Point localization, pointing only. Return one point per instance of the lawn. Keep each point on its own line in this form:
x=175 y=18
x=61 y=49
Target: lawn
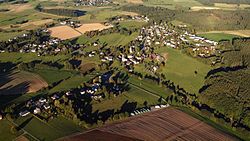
x=70 y=83
x=218 y=36
x=180 y=69
x=54 y=129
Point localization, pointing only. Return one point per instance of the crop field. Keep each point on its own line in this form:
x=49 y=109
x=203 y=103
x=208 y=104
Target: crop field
x=135 y=1
x=180 y=69
x=90 y=27
x=64 y=32
x=20 y=83
x=218 y=36
x=164 y=124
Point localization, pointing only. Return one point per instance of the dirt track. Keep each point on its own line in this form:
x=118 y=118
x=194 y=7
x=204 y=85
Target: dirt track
x=162 y=125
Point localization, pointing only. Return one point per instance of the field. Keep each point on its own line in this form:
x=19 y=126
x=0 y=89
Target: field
x=5 y=131
x=20 y=83
x=112 y=39
x=180 y=69
x=90 y=27
x=51 y=76
x=17 y=57
x=243 y=33
x=72 y=82
x=64 y=32
x=135 y=1
x=56 y=128
x=218 y=36
x=172 y=4
x=164 y=124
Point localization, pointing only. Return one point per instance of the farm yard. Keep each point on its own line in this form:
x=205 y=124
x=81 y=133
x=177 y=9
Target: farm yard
x=164 y=124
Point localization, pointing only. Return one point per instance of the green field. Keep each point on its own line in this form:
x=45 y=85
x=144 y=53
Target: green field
x=172 y=4
x=139 y=92
x=51 y=76
x=54 y=129
x=180 y=69
x=16 y=57
x=132 y=24
x=70 y=83
x=5 y=131
x=113 y=39
x=218 y=36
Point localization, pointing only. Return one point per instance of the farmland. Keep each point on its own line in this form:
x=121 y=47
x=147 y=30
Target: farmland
x=168 y=123
x=218 y=36
x=124 y=70
x=21 y=82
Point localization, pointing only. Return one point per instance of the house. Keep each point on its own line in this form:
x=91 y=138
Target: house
x=46 y=106
x=42 y=100
x=37 y=110
x=24 y=113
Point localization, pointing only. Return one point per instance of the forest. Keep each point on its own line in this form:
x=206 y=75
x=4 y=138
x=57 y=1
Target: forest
x=226 y=89
x=203 y=20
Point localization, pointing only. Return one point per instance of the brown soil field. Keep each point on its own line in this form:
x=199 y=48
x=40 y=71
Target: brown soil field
x=168 y=124
x=20 y=83
x=135 y=1
x=197 y=8
x=92 y=26
x=64 y=32
x=21 y=138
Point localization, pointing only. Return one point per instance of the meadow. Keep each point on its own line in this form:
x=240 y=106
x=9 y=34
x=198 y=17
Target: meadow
x=54 y=129
x=181 y=68
x=218 y=36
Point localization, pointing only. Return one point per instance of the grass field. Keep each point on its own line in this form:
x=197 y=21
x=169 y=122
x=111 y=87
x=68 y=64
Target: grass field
x=218 y=36
x=5 y=131
x=51 y=76
x=139 y=92
x=132 y=24
x=4 y=36
x=16 y=57
x=113 y=39
x=52 y=130
x=172 y=4
x=180 y=69
x=70 y=83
